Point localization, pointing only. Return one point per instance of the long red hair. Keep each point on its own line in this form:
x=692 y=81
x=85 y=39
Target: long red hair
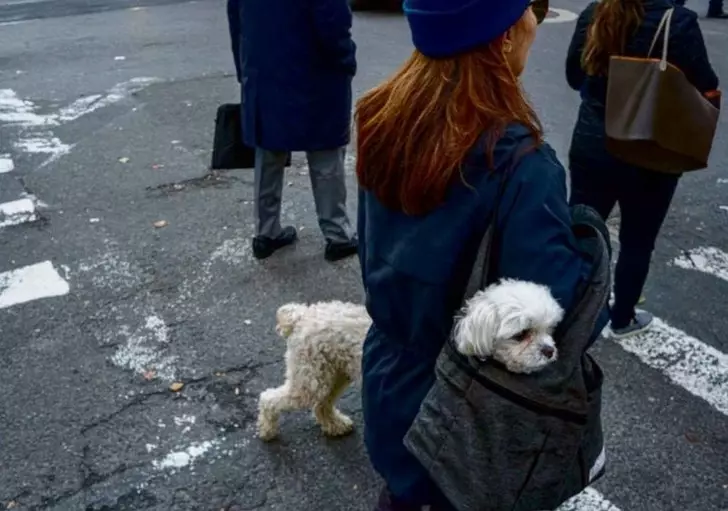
x=415 y=129
x=614 y=22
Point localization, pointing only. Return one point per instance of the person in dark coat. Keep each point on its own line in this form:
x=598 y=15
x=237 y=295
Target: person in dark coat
x=715 y=8
x=597 y=178
x=434 y=142
x=295 y=61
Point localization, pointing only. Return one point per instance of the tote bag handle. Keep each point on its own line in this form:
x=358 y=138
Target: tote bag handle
x=663 y=27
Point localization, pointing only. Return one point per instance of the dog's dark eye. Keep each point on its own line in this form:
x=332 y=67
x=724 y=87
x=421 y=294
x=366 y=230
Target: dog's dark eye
x=522 y=336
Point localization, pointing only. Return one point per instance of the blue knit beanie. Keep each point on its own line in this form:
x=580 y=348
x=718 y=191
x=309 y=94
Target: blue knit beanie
x=443 y=28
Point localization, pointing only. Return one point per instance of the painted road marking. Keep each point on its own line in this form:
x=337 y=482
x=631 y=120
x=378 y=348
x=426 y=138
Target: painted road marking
x=30 y=283
x=562 y=16
x=710 y=260
x=588 y=500
x=14 y=110
x=43 y=145
x=119 y=92
x=17 y=111
x=6 y=164
x=697 y=367
x=22 y=112
x=17 y=212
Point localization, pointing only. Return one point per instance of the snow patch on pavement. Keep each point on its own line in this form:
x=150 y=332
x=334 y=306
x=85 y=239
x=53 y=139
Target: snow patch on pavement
x=143 y=350
x=233 y=251
x=185 y=457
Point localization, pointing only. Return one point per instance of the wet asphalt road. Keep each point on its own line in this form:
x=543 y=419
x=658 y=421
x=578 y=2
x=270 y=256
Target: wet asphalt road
x=106 y=112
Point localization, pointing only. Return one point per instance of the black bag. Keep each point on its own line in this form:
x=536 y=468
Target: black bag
x=493 y=440
x=228 y=149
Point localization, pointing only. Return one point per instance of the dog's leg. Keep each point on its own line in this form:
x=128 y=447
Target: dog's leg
x=332 y=421
x=271 y=404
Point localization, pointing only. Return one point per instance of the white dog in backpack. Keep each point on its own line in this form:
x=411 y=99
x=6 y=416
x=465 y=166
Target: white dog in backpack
x=511 y=321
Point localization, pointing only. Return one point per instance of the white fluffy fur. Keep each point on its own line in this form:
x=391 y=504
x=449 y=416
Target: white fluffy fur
x=511 y=321
x=323 y=356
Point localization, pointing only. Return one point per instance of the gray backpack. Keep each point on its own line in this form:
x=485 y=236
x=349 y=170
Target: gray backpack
x=496 y=441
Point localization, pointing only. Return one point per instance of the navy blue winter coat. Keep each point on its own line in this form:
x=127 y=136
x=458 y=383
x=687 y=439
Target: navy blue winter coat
x=296 y=61
x=414 y=269
x=686 y=50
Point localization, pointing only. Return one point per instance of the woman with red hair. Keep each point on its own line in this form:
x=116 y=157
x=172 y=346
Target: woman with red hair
x=435 y=143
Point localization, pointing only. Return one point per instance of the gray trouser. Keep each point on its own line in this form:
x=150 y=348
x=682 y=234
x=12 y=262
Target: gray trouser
x=326 y=169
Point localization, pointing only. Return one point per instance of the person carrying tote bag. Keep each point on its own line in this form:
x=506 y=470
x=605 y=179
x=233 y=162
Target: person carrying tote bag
x=655 y=117
x=599 y=178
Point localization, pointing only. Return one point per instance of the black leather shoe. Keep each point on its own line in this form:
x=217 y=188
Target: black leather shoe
x=337 y=251
x=720 y=15
x=264 y=247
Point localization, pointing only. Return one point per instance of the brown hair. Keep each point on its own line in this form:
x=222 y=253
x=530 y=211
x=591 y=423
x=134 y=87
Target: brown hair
x=614 y=22
x=415 y=129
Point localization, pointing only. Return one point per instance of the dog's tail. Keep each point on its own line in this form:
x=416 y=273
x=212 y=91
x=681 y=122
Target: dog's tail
x=287 y=317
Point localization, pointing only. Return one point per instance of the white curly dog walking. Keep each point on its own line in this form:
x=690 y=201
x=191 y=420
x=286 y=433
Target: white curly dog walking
x=511 y=321
x=323 y=358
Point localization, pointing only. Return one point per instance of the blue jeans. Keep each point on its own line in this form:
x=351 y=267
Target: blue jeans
x=644 y=199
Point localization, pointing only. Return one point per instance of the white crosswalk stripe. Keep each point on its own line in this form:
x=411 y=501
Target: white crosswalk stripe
x=710 y=260
x=6 y=163
x=588 y=500
x=695 y=366
x=31 y=283
x=17 y=212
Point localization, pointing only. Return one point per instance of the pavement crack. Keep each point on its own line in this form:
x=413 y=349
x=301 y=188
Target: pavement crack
x=243 y=368
x=137 y=400
x=213 y=179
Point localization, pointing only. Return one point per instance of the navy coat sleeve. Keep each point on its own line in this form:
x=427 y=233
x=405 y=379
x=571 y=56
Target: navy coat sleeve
x=332 y=25
x=575 y=74
x=537 y=240
x=687 y=51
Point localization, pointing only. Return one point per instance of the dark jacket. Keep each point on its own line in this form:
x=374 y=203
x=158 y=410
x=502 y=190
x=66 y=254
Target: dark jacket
x=686 y=50
x=296 y=61
x=414 y=271
x=494 y=440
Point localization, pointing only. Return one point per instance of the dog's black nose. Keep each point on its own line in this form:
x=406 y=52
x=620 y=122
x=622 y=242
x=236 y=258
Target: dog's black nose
x=547 y=351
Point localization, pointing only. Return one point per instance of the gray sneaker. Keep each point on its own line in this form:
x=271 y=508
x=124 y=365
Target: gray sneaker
x=641 y=322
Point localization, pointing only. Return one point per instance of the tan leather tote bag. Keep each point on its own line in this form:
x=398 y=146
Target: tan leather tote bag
x=655 y=118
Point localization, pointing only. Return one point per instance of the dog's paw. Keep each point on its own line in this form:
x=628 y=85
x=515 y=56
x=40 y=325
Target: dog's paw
x=338 y=425
x=267 y=434
x=266 y=430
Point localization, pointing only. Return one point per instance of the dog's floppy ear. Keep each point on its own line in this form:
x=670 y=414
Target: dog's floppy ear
x=287 y=316
x=477 y=328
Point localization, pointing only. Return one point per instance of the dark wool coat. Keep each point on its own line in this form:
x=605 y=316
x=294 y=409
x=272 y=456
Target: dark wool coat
x=413 y=268
x=295 y=61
